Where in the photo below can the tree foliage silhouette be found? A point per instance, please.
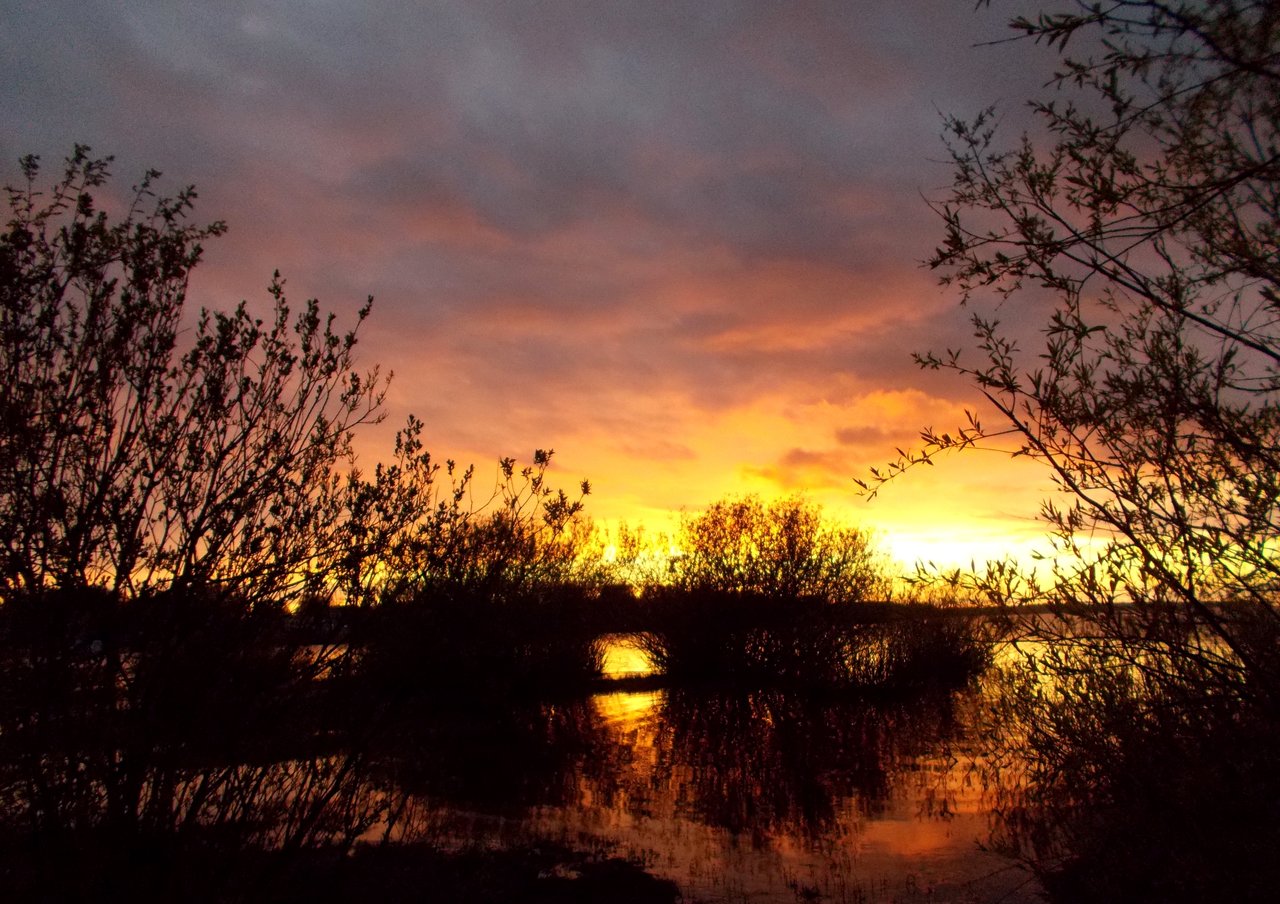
(1138, 222)
(170, 481)
(1144, 226)
(141, 450)
(784, 549)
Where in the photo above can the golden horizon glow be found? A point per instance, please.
(968, 508)
(694, 273)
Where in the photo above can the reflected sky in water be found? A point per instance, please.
(625, 711)
(747, 796)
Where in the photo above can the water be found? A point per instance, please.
(743, 797)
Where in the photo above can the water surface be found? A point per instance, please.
(746, 796)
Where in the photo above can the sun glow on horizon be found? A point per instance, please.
(967, 509)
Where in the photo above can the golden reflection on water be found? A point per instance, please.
(627, 710)
(764, 800)
(670, 800)
(753, 796)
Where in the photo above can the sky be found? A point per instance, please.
(677, 242)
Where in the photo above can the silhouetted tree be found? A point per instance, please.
(171, 484)
(1149, 224)
(771, 594)
(1139, 224)
(784, 550)
(168, 481)
(494, 597)
(139, 450)
(524, 537)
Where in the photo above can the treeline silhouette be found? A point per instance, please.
(228, 653)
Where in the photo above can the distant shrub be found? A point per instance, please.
(491, 600)
(762, 641)
(773, 594)
(782, 550)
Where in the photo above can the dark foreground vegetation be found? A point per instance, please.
(1153, 776)
(807, 643)
(190, 747)
(1141, 216)
(196, 746)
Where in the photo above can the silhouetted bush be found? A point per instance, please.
(143, 449)
(741, 637)
(1139, 215)
(762, 641)
(782, 550)
(921, 648)
(168, 729)
(773, 595)
(170, 487)
(1140, 780)
(169, 484)
(456, 648)
(492, 601)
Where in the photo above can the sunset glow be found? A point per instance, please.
(593, 450)
(680, 245)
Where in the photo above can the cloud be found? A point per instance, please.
(677, 241)
(807, 470)
(864, 434)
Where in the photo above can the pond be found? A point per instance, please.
(243, 764)
(739, 796)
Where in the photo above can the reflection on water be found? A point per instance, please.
(760, 796)
(624, 711)
(766, 796)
